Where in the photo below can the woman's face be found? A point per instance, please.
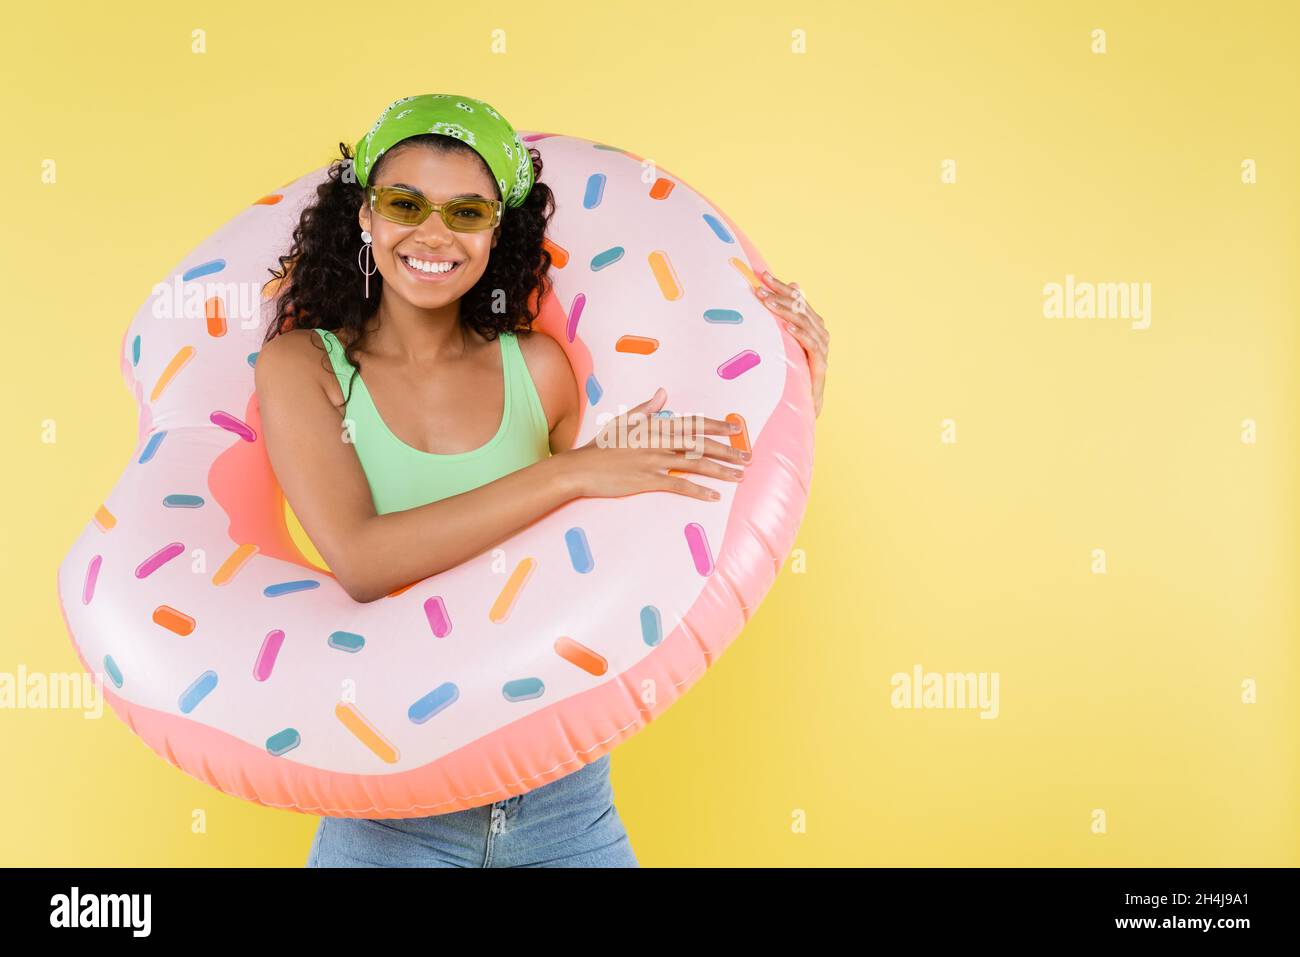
(439, 177)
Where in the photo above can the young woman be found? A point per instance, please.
(414, 421)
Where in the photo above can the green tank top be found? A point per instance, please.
(402, 476)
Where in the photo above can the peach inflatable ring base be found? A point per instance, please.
(235, 658)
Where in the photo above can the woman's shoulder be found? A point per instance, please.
(296, 355)
(545, 356)
(292, 346)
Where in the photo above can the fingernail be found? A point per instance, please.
(746, 456)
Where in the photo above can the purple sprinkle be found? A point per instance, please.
(436, 611)
(738, 364)
(92, 576)
(232, 424)
(158, 559)
(266, 657)
(575, 313)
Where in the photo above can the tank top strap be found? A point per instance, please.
(527, 404)
(342, 368)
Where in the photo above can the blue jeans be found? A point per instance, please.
(569, 822)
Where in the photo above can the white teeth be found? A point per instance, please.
(429, 267)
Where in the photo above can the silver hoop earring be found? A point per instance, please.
(368, 269)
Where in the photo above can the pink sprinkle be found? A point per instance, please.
(575, 313)
(266, 657)
(737, 364)
(698, 543)
(158, 559)
(439, 620)
(92, 576)
(232, 424)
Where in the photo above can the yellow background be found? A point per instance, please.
(1119, 692)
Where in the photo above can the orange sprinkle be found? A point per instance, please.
(580, 655)
(268, 200)
(559, 255)
(173, 620)
(216, 310)
(741, 439)
(637, 345)
(661, 188)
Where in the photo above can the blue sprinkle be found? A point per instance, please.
(135, 351)
(196, 692)
(252, 358)
(652, 626)
(718, 228)
(663, 414)
(595, 191)
(606, 258)
(579, 550)
(722, 315)
(203, 269)
(523, 689)
(288, 588)
(114, 672)
(436, 700)
(282, 741)
(602, 146)
(594, 391)
(183, 501)
(346, 641)
(151, 446)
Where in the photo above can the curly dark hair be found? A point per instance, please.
(320, 284)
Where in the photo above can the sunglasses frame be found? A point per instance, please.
(427, 208)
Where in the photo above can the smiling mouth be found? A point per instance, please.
(435, 273)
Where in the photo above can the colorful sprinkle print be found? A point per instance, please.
(158, 559)
(92, 576)
(265, 662)
(151, 446)
(282, 742)
(346, 641)
(575, 540)
(439, 699)
(435, 611)
(289, 588)
(506, 599)
(523, 689)
(196, 692)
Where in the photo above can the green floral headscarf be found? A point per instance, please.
(471, 121)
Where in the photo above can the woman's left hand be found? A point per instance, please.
(788, 302)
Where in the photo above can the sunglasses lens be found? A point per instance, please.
(470, 215)
(400, 207)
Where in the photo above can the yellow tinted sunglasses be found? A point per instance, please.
(409, 208)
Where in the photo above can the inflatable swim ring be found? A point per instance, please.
(236, 658)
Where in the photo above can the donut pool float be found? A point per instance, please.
(226, 647)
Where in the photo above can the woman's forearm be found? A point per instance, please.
(399, 548)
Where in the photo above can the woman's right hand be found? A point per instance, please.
(633, 452)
